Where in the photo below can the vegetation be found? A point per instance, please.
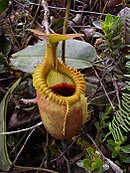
(102, 55)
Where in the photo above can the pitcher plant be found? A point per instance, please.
(60, 91)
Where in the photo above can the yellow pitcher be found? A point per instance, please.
(60, 91)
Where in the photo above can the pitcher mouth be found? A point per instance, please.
(63, 89)
(60, 84)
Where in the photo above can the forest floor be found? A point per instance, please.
(36, 150)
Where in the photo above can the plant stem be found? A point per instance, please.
(65, 27)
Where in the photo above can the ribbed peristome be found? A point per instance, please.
(46, 74)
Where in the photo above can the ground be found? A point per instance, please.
(38, 148)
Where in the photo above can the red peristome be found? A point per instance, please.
(63, 89)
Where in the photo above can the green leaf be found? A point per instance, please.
(126, 160)
(98, 34)
(93, 165)
(117, 148)
(97, 24)
(87, 164)
(109, 36)
(3, 69)
(80, 163)
(107, 24)
(90, 152)
(5, 162)
(97, 125)
(108, 19)
(57, 23)
(115, 153)
(78, 54)
(116, 38)
(116, 23)
(110, 141)
(2, 59)
(117, 162)
(5, 45)
(3, 5)
(110, 147)
(98, 164)
(126, 149)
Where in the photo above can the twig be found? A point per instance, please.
(114, 80)
(61, 8)
(19, 142)
(115, 167)
(66, 149)
(42, 163)
(17, 156)
(46, 16)
(102, 95)
(113, 108)
(25, 5)
(68, 164)
(76, 31)
(79, 11)
(33, 20)
(44, 159)
(77, 157)
(34, 168)
(2, 90)
(29, 101)
(15, 40)
(22, 130)
(95, 4)
(65, 27)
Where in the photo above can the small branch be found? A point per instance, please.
(34, 168)
(33, 20)
(46, 17)
(68, 164)
(102, 95)
(22, 130)
(113, 108)
(80, 11)
(77, 157)
(66, 149)
(17, 156)
(29, 101)
(114, 80)
(44, 162)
